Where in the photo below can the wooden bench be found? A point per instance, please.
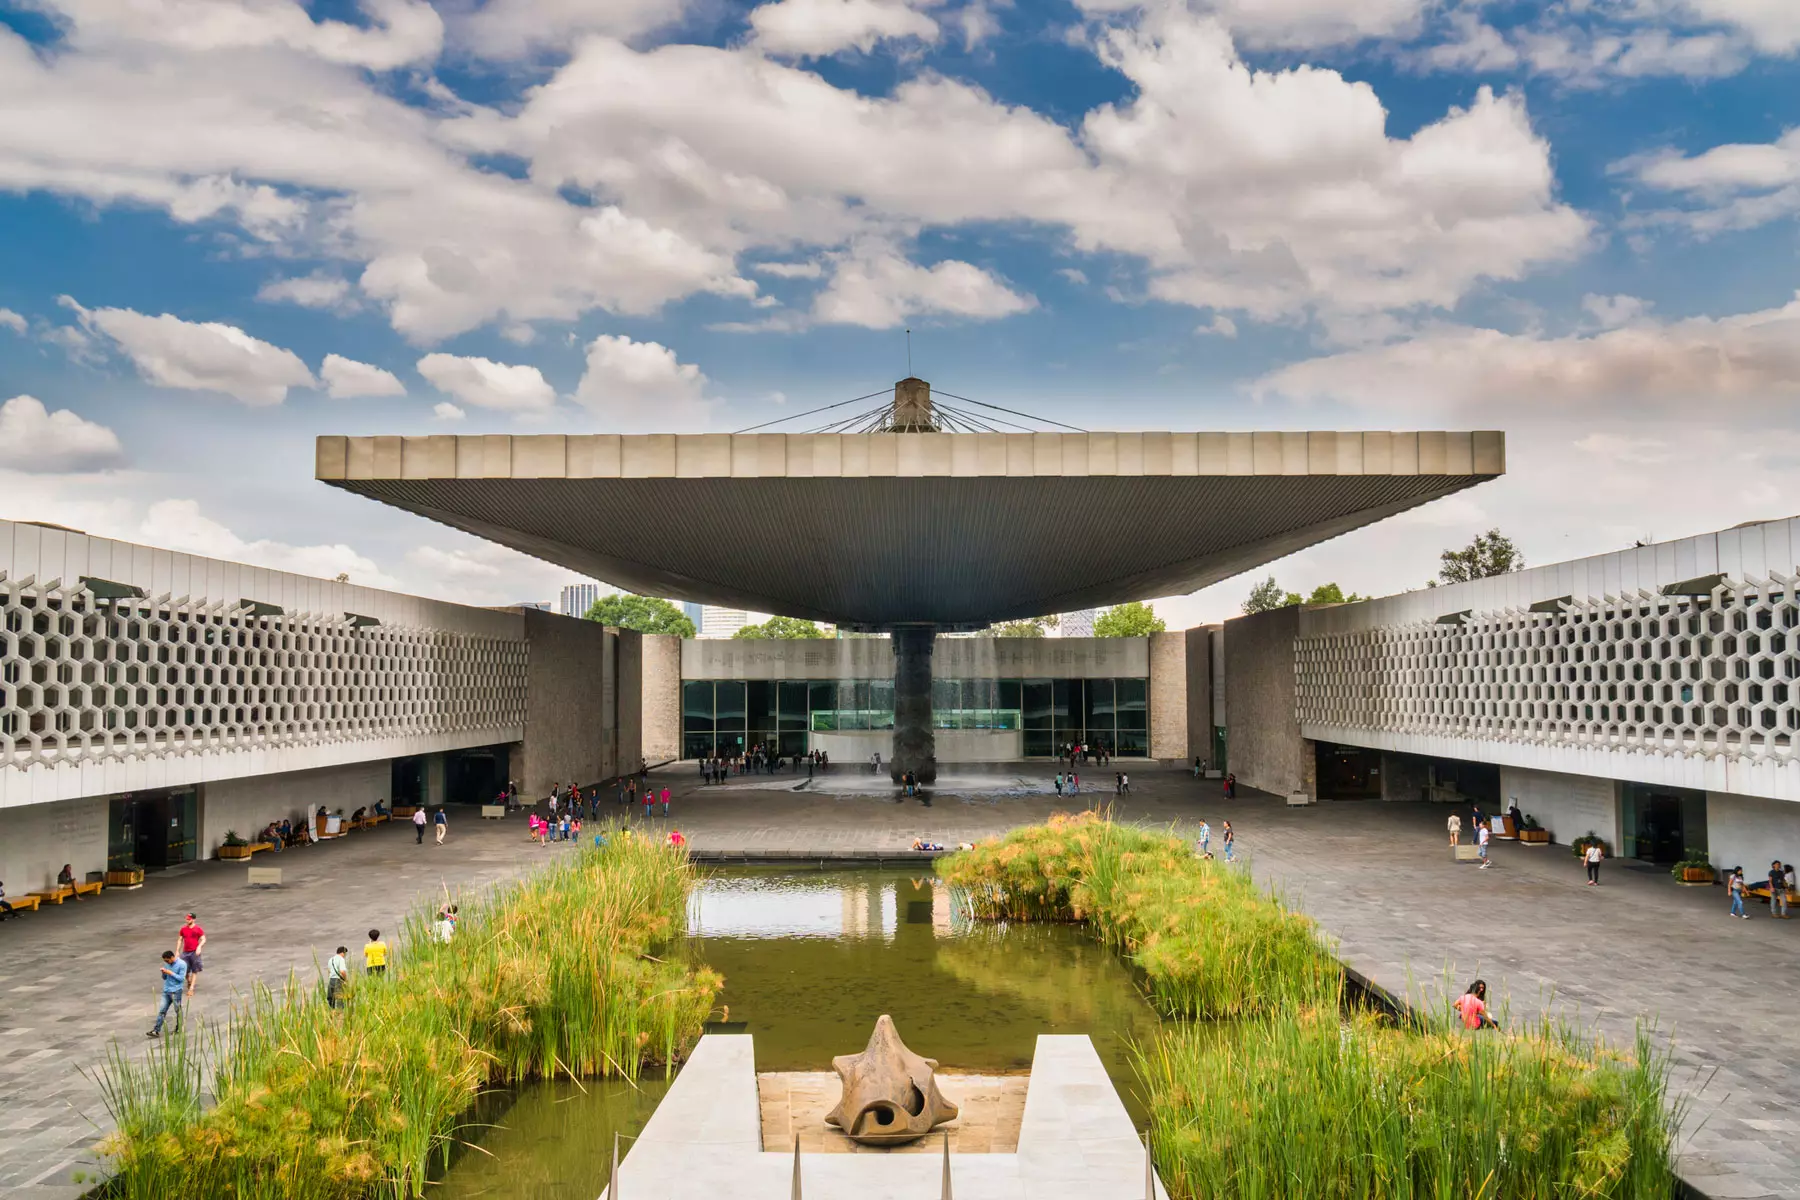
(244, 851)
(20, 903)
(264, 876)
(58, 895)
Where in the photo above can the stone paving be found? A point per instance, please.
(1377, 876)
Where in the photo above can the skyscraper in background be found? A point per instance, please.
(694, 611)
(721, 622)
(577, 598)
(1079, 623)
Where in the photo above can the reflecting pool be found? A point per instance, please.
(810, 959)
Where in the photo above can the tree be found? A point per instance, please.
(1134, 618)
(1265, 596)
(645, 614)
(1029, 627)
(1331, 593)
(1491, 553)
(780, 627)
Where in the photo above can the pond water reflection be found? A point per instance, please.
(810, 960)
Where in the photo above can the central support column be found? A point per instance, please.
(915, 742)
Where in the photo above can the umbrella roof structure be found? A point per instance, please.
(872, 530)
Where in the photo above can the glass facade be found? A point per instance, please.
(726, 716)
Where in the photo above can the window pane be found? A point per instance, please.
(697, 707)
(1099, 704)
(730, 694)
(824, 696)
(1037, 694)
(762, 703)
(1037, 743)
(696, 745)
(1067, 700)
(1133, 706)
(881, 703)
(1007, 693)
(1133, 743)
(792, 697)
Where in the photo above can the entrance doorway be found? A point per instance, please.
(1662, 824)
(1347, 772)
(152, 830)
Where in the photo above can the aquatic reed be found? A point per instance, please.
(574, 971)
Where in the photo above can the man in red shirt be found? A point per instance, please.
(192, 940)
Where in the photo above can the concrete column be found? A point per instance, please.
(434, 780)
(1169, 697)
(915, 742)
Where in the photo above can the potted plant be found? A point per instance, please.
(1533, 834)
(125, 875)
(1694, 870)
(234, 846)
(1590, 838)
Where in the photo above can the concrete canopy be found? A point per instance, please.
(874, 530)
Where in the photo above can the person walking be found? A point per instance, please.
(337, 970)
(1059, 783)
(665, 799)
(649, 800)
(1455, 826)
(1204, 840)
(174, 977)
(190, 940)
(375, 954)
(1074, 782)
(1125, 783)
(1481, 842)
(419, 825)
(1778, 898)
(1229, 838)
(1592, 856)
(1736, 887)
(442, 820)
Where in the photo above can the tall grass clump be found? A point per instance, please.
(1210, 944)
(574, 971)
(1311, 1105)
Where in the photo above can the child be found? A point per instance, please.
(375, 954)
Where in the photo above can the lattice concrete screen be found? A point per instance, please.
(1704, 676)
(85, 680)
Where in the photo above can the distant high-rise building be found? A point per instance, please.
(694, 611)
(577, 598)
(540, 605)
(721, 622)
(1079, 623)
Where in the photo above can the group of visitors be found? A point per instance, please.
(375, 955)
(1227, 839)
(909, 782)
(1080, 753)
(1781, 883)
(1483, 832)
(440, 820)
(564, 828)
(180, 972)
(763, 758)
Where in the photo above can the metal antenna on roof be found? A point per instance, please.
(909, 354)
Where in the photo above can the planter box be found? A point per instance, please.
(1535, 837)
(1697, 875)
(235, 851)
(131, 878)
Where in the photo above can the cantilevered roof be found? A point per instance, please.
(872, 530)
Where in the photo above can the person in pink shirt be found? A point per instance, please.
(665, 800)
(1472, 1007)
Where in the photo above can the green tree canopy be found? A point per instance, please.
(780, 627)
(1265, 596)
(1029, 627)
(1331, 593)
(1134, 618)
(1491, 553)
(645, 614)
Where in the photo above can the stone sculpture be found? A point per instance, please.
(890, 1094)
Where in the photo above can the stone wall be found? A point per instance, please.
(1264, 744)
(1199, 669)
(248, 804)
(1567, 805)
(35, 841)
(1168, 696)
(661, 693)
(631, 700)
(570, 730)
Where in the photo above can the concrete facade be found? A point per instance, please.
(246, 805)
(1168, 696)
(1199, 673)
(1567, 805)
(573, 715)
(1266, 748)
(661, 692)
(1748, 831)
(954, 658)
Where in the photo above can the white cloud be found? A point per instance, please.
(1312, 24)
(201, 356)
(34, 439)
(633, 384)
(318, 290)
(13, 321)
(1074, 275)
(180, 525)
(446, 411)
(345, 379)
(790, 270)
(1610, 312)
(401, 31)
(811, 28)
(1733, 186)
(452, 564)
(879, 289)
(1219, 326)
(483, 383)
(511, 29)
(1774, 25)
(1647, 367)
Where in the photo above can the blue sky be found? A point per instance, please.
(230, 225)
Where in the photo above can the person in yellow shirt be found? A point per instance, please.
(375, 954)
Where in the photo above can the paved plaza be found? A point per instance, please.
(1377, 876)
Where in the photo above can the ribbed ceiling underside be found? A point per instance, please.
(875, 552)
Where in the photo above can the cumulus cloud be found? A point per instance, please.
(181, 525)
(513, 29)
(345, 379)
(1643, 368)
(34, 439)
(318, 290)
(399, 32)
(201, 355)
(483, 383)
(879, 289)
(452, 564)
(1733, 186)
(641, 384)
(810, 28)
(790, 270)
(446, 411)
(13, 321)
(1219, 326)
(1610, 312)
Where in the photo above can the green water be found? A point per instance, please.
(810, 959)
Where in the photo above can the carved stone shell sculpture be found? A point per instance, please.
(890, 1094)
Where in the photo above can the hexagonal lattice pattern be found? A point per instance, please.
(1702, 676)
(83, 680)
